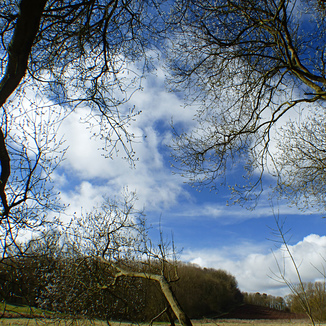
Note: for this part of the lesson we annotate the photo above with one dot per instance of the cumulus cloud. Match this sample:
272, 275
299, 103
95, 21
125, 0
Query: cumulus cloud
158, 190
256, 267
85, 196
85, 161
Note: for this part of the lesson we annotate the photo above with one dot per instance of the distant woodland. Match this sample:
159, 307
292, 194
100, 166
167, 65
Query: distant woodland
86, 287
78, 285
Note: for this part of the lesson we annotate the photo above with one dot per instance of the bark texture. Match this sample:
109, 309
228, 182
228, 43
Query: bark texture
19, 49
166, 290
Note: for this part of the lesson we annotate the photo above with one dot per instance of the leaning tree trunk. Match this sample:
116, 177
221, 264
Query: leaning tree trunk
172, 300
165, 287
166, 311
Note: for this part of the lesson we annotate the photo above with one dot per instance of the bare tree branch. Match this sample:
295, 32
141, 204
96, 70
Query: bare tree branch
27, 27
247, 65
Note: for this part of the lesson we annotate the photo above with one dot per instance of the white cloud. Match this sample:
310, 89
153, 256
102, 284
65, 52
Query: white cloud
255, 267
156, 187
85, 196
158, 105
234, 213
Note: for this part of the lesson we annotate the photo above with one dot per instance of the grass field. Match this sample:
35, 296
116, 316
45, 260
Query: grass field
22, 310
39, 322
27, 314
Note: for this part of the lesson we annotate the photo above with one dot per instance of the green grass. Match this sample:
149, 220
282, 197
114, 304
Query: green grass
22, 310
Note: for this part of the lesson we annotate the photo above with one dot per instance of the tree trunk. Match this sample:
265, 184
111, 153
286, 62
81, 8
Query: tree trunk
19, 49
166, 311
171, 319
165, 287
172, 300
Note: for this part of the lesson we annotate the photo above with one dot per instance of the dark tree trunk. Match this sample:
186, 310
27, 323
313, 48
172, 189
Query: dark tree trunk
27, 26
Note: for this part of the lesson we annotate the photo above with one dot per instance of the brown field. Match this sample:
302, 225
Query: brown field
243, 315
222, 322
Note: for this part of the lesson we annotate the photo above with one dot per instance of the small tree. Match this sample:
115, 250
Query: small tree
297, 288
116, 236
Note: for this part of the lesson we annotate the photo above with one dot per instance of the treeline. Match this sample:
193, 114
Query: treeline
77, 285
312, 296
84, 286
206, 292
265, 300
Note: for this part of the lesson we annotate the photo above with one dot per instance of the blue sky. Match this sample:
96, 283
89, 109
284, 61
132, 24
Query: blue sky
206, 231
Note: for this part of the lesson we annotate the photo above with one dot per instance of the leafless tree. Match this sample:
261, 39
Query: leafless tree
302, 161
247, 65
35, 150
116, 235
297, 288
316, 294
56, 56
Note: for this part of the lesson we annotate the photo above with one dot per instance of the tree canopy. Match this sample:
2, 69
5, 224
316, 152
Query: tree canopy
250, 65
57, 56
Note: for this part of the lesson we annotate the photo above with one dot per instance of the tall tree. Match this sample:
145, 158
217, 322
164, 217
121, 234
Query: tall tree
57, 56
249, 64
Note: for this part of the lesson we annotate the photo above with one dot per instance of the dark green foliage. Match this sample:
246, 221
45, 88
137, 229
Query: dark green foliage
76, 287
83, 286
206, 292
